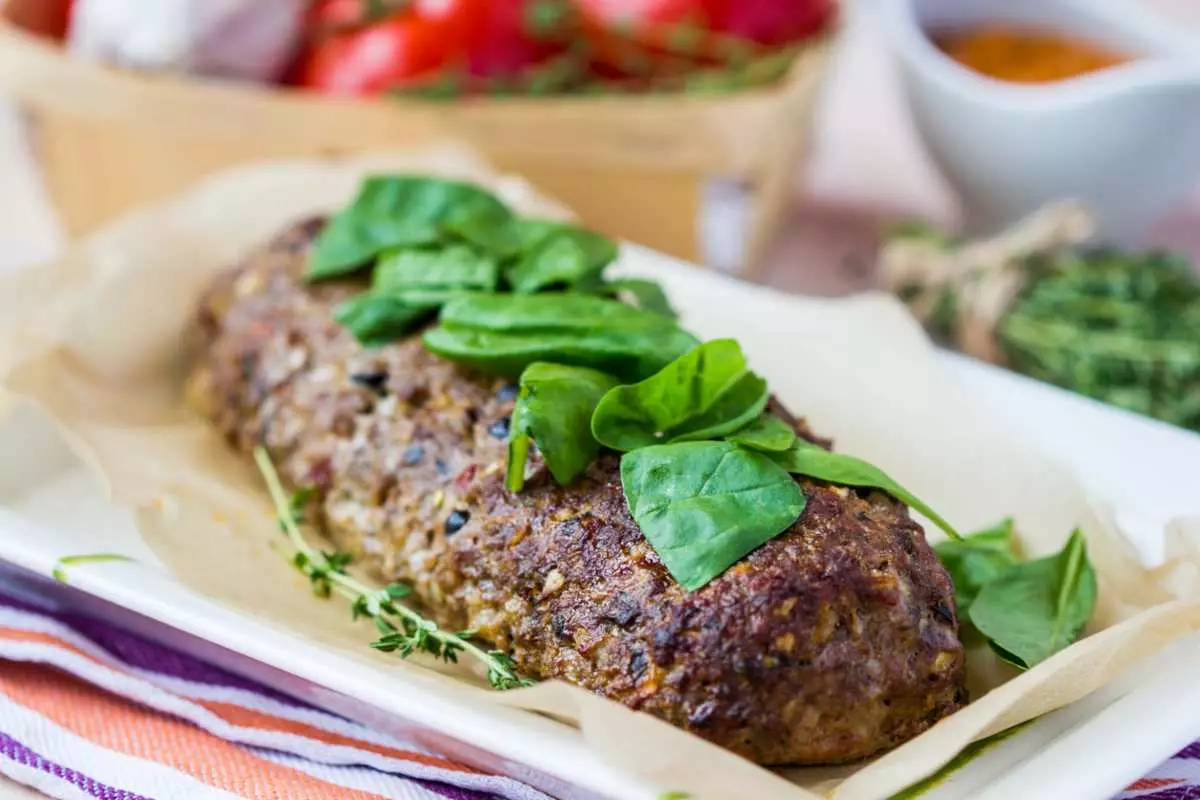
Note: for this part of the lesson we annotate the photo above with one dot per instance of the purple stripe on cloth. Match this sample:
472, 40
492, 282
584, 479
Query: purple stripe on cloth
21, 605
147, 655
13, 750
436, 787
1188, 792
453, 792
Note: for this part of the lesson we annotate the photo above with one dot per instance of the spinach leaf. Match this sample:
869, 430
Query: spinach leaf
487, 231
558, 254
646, 295
704, 394
532, 231
1036, 608
518, 454
554, 408
767, 433
805, 458
434, 297
976, 560
457, 267
627, 353
705, 505
377, 319
397, 211
505, 333
548, 313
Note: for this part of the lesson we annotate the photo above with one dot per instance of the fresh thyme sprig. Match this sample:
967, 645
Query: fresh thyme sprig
401, 629
60, 567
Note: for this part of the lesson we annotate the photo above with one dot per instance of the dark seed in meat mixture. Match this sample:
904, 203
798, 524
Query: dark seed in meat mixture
832, 642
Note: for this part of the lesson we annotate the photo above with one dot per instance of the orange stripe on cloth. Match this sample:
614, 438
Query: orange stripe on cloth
40, 637
250, 718
1152, 783
118, 724
260, 720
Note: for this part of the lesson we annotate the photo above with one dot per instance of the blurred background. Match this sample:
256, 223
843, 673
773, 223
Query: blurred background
818, 146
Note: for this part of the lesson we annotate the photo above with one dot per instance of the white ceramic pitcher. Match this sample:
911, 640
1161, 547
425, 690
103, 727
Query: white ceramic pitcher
1124, 140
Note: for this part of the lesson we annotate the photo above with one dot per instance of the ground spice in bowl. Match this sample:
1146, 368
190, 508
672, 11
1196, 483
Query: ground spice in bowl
1026, 55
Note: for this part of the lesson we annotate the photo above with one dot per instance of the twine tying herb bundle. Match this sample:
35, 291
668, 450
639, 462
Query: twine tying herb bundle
1120, 327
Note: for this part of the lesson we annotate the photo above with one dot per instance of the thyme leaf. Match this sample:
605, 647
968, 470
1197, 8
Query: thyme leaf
60, 567
402, 630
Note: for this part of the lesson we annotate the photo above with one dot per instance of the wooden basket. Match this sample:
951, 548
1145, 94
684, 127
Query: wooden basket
630, 166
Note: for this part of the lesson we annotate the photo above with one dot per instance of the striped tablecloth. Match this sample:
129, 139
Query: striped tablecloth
88, 710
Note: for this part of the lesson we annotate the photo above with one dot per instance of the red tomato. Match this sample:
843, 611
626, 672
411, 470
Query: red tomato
351, 54
327, 17
771, 22
63, 23
337, 13
499, 38
656, 38
632, 15
46, 17
371, 60
459, 20
642, 37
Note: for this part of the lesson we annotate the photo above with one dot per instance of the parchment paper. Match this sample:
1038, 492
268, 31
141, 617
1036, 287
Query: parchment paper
96, 340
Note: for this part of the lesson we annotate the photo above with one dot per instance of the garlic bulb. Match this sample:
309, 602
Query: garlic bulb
244, 39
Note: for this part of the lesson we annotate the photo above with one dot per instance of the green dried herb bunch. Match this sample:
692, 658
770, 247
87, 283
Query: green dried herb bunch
1120, 327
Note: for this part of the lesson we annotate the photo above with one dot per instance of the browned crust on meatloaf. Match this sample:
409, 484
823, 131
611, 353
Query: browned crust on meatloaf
832, 642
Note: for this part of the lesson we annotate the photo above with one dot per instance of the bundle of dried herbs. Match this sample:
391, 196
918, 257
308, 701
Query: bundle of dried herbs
1120, 327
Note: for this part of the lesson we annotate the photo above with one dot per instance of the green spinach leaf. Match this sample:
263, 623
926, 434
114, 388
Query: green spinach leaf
503, 334
397, 211
805, 458
532, 231
1036, 608
704, 394
487, 231
646, 295
548, 313
558, 254
628, 354
433, 297
767, 433
976, 560
454, 267
377, 319
705, 505
554, 408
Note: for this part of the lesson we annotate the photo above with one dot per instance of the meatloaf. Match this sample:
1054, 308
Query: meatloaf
832, 642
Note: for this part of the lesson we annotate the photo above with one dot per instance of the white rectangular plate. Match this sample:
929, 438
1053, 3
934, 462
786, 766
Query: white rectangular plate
52, 508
